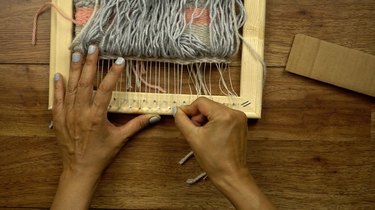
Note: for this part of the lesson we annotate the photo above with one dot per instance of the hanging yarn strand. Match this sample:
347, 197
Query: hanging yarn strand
185, 31
41, 10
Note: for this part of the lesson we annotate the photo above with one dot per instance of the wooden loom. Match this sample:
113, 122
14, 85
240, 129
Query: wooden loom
250, 71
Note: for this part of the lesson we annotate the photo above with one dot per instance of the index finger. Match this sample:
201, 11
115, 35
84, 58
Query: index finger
202, 106
188, 118
104, 93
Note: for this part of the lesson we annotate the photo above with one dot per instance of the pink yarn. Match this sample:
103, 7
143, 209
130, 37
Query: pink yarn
83, 15
41, 10
200, 16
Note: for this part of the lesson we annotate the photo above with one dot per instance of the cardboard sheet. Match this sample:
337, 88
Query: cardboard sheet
334, 64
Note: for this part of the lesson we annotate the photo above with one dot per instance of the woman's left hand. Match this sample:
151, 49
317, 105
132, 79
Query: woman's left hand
88, 141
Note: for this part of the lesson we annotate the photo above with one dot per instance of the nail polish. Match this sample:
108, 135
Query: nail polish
120, 61
76, 57
154, 120
92, 49
174, 111
57, 77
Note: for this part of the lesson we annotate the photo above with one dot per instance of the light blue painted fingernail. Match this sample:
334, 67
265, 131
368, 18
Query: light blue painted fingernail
174, 111
76, 57
120, 61
92, 49
154, 119
57, 76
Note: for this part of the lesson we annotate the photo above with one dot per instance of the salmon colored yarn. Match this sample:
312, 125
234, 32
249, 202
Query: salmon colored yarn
83, 15
200, 16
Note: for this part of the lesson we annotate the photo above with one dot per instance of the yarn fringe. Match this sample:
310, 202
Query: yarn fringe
187, 30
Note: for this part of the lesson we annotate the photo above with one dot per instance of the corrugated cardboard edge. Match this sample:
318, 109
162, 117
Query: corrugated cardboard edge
333, 64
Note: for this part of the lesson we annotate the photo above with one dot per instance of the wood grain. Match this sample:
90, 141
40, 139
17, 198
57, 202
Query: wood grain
16, 19
313, 149
310, 174
309, 142
344, 22
24, 100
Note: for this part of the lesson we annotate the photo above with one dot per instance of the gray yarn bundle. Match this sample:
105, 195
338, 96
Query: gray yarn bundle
164, 30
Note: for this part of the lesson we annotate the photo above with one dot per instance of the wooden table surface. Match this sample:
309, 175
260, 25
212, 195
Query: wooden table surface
314, 148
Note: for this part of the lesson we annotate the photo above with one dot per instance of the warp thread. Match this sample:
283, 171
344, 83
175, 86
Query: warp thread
164, 30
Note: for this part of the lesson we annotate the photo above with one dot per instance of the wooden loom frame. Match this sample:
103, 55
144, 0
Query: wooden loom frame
251, 82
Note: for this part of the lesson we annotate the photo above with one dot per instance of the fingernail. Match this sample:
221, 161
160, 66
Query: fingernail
92, 49
76, 57
57, 77
120, 61
154, 120
174, 111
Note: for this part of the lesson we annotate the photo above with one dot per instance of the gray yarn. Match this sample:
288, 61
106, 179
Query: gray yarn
84, 3
157, 29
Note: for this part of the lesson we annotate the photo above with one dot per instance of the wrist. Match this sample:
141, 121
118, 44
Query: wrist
240, 188
79, 175
75, 190
85, 181
231, 177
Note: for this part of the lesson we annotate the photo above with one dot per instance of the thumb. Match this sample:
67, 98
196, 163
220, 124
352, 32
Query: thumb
137, 124
185, 125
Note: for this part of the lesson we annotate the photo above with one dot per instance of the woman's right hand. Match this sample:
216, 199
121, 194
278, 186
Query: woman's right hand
218, 137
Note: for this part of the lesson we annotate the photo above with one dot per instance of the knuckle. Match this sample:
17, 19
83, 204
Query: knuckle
76, 66
241, 116
142, 124
139, 124
57, 119
58, 103
115, 69
83, 84
233, 116
227, 116
104, 88
201, 99
72, 90
97, 120
95, 116
90, 61
57, 86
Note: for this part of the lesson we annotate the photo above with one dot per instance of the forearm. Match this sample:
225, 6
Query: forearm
75, 191
243, 192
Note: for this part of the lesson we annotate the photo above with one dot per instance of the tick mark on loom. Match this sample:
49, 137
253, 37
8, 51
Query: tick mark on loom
246, 103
